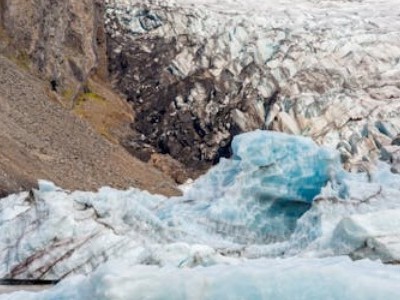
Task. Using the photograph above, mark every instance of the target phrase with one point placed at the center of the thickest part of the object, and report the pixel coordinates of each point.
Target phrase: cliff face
(198, 73)
(63, 41)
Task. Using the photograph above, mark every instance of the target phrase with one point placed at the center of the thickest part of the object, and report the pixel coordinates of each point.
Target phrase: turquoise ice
(270, 181)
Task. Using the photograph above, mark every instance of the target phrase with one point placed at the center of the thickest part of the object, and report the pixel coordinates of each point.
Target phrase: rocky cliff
(63, 42)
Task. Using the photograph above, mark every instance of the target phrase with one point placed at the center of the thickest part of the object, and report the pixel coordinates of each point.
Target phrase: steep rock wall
(62, 41)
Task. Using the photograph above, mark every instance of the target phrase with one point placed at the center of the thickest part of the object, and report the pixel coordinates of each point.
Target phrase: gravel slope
(39, 139)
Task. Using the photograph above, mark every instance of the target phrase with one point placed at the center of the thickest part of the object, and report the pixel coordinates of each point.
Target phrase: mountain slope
(39, 139)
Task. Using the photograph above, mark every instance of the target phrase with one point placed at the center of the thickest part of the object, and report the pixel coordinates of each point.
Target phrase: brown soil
(40, 139)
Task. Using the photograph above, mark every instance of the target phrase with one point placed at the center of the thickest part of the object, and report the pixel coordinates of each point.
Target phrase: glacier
(301, 279)
(282, 210)
(327, 69)
(284, 218)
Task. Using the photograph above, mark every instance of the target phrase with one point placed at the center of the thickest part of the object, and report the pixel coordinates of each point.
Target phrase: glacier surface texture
(205, 70)
(277, 220)
(285, 217)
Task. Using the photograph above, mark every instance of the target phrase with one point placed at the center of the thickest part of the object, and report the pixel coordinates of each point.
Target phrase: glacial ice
(372, 232)
(331, 67)
(279, 196)
(283, 167)
(268, 184)
(300, 279)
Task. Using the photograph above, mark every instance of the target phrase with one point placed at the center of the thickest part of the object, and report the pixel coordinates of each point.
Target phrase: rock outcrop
(197, 73)
(63, 42)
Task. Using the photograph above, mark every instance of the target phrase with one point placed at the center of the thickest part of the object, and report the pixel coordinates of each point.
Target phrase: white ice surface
(147, 239)
(300, 279)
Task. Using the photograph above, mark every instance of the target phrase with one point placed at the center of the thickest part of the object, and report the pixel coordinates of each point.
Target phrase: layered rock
(199, 73)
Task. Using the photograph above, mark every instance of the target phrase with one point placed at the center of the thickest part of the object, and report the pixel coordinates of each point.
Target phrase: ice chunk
(274, 166)
(268, 184)
(47, 186)
(377, 232)
(364, 224)
(290, 167)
